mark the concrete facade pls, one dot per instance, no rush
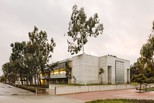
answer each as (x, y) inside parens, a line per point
(85, 70)
(115, 69)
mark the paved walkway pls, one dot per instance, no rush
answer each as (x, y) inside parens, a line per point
(38, 99)
(110, 94)
(11, 94)
(7, 90)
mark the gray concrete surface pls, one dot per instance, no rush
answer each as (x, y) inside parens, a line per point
(10, 94)
(7, 90)
(38, 99)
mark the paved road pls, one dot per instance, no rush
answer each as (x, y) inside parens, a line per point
(10, 94)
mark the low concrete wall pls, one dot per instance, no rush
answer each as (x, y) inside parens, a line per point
(64, 89)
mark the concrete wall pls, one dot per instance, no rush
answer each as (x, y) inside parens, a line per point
(85, 69)
(106, 61)
(78, 89)
(102, 64)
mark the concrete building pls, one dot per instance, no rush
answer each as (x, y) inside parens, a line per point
(84, 69)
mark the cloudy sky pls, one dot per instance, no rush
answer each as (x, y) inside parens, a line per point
(127, 25)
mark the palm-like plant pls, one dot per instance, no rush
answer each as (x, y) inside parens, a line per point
(101, 71)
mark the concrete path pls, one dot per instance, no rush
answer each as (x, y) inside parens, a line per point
(110, 94)
(38, 99)
(10, 94)
(7, 90)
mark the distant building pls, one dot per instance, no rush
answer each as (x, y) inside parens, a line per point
(84, 69)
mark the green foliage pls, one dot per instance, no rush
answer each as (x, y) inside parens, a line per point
(145, 63)
(101, 70)
(28, 59)
(41, 48)
(38, 51)
(121, 101)
(80, 28)
(17, 59)
(2, 78)
(68, 70)
(150, 89)
(9, 72)
(140, 78)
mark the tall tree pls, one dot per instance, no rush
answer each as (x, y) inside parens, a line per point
(28, 59)
(9, 72)
(147, 51)
(30, 62)
(145, 63)
(80, 28)
(42, 49)
(17, 59)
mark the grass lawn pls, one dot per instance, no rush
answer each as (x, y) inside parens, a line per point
(122, 101)
(150, 89)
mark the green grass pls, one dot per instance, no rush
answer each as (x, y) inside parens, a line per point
(134, 83)
(121, 101)
(150, 89)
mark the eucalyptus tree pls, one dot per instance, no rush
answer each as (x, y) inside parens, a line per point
(41, 50)
(30, 62)
(80, 28)
(9, 72)
(17, 60)
(6, 70)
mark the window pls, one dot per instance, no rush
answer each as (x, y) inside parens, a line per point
(119, 72)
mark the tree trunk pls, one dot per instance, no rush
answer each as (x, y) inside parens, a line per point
(35, 79)
(21, 80)
(27, 81)
(39, 79)
(31, 80)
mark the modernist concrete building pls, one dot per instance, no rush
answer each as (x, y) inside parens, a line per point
(84, 69)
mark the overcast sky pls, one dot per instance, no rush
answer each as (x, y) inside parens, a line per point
(127, 25)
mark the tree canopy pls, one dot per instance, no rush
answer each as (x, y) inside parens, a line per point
(29, 58)
(145, 63)
(80, 28)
